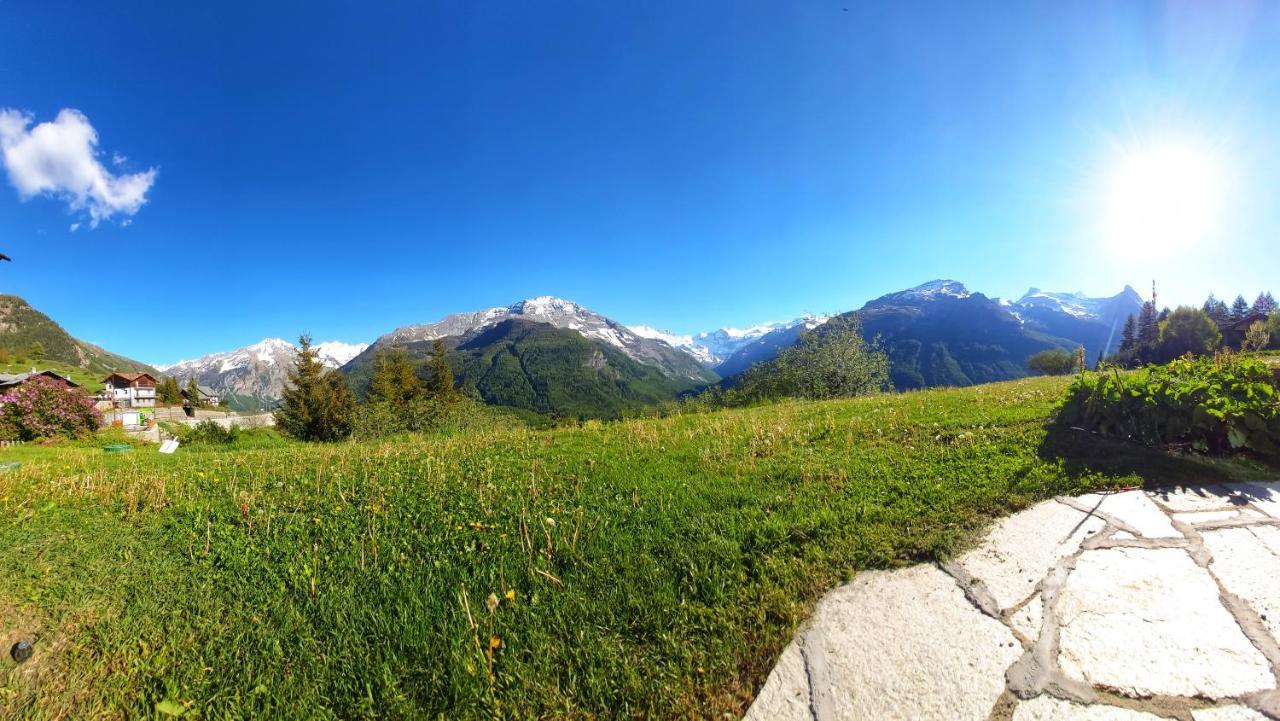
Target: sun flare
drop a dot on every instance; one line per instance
(1164, 197)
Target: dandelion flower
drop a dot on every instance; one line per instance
(491, 602)
(511, 595)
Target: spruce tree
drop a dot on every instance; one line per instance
(1129, 337)
(1217, 309)
(441, 385)
(193, 393)
(315, 405)
(1148, 325)
(169, 392)
(394, 380)
(1239, 308)
(1264, 305)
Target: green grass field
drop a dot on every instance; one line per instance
(637, 569)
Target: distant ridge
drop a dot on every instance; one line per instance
(254, 377)
(22, 325)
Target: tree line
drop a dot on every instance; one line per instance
(319, 405)
(1157, 336)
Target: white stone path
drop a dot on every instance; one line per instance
(1132, 606)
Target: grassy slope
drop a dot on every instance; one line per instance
(542, 369)
(21, 325)
(341, 581)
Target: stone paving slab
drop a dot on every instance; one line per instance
(1133, 508)
(1227, 713)
(1149, 621)
(1021, 549)
(1249, 569)
(1047, 708)
(1181, 499)
(1156, 604)
(925, 652)
(1263, 496)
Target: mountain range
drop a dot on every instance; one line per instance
(556, 357)
(254, 377)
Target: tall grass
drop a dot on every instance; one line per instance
(641, 568)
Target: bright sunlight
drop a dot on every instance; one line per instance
(1164, 197)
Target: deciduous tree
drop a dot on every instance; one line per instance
(1188, 330)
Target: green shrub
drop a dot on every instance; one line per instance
(209, 432)
(1052, 362)
(1216, 405)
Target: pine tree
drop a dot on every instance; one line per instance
(1217, 309)
(193, 393)
(441, 385)
(394, 380)
(315, 406)
(1148, 325)
(169, 393)
(1129, 337)
(36, 351)
(1264, 305)
(1239, 308)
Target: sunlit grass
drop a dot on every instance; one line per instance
(642, 568)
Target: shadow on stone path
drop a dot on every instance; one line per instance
(1132, 606)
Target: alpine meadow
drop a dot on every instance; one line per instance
(577, 361)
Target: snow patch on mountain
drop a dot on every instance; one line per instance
(561, 313)
(1075, 304)
(934, 289)
(335, 353)
(266, 352)
(713, 347)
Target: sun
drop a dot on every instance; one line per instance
(1162, 198)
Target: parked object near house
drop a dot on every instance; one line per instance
(13, 380)
(130, 390)
(207, 396)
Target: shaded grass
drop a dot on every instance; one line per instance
(655, 567)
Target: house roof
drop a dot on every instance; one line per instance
(1242, 324)
(12, 379)
(130, 377)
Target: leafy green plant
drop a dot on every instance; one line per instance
(1216, 405)
(212, 432)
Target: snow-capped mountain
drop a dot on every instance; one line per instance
(934, 289)
(713, 348)
(255, 375)
(1079, 305)
(560, 313)
(335, 353)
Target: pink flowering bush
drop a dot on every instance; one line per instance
(42, 408)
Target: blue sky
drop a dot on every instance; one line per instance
(346, 168)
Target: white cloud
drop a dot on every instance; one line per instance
(59, 159)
